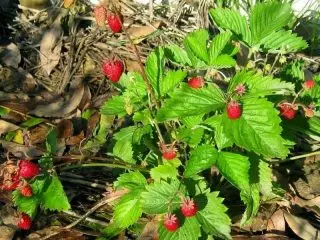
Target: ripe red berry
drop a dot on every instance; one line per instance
(234, 110)
(309, 84)
(169, 154)
(28, 169)
(288, 110)
(114, 22)
(171, 222)
(26, 191)
(25, 222)
(188, 208)
(196, 82)
(100, 14)
(113, 69)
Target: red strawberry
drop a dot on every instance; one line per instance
(240, 89)
(113, 69)
(100, 15)
(308, 112)
(28, 169)
(114, 22)
(234, 110)
(24, 222)
(309, 84)
(26, 191)
(171, 222)
(196, 82)
(288, 110)
(169, 154)
(188, 208)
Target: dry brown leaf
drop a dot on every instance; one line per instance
(7, 127)
(60, 108)
(21, 151)
(261, 237)
(69, 234)
(150, 231)
(65, 128)
(50, 48)
(139, 33)
(301, 227)
(312, 204)
(132, 66)
(277, 222)
(39, 134)
(10, 55)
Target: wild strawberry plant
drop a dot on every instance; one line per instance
(236, 124)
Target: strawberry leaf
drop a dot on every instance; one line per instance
(177, 54)
(171, 80)
(212, 216)
(258, 129)
(218, 44)
(187, 101)
(163, 172)
(223, 61)
(131, 181)
(158, 196)
(259, 85)
(53, 196)
(251, 198)
(203, 157)
(196, 43)
(189, 230)
(265, 179)
(123, 150)
(114, 106)
(128, 209)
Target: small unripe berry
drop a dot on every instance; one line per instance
(308, 112)
(171, 222)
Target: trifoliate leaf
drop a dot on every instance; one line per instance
(213, 217)
(218, 44)
(189, 230)
(197, 42)
(201, 158)
(232, 20)
(258, 129)
(259, 85)
(190, 136)
(163, 172)
(114, 106)
(171, 80)
(53, 196)
(158, 196)
(223, 61)
(123, 150)
(187, 101)
(131, 181)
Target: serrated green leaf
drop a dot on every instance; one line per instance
(251, 198)
(268, 17)
(190, 136)
(123, 150)
(128, 209)
(259, 85)
(125, 133)
(155, 68)
(197, 42)
(235, 168)
(223, 61)
(28, 205)
(171, 80)
(265, 178)
(189, 230)
(157, 196)
(187, 101)
(114, 106)
(218, 44)
(213, 217)
(134, 83)
(53, 196)
(110, 231)
(258, 129)
(232, 20)
(192, 121)
(131, 181)
(203, 157)
(283, 42)
(163, 172)
(222, 141)
(177, 54)
(51, 142)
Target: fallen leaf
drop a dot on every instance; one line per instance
(65, 128)
(39, 134)
(132, 66)
(21, 151)
(301, 227)
(7, 127)
(139, 33)
(19, 137)
(150, 231)
(65, 234)
(74, 140)
(276, 222)
(50, 48)
(7, 233)
(60, 108)
(312, 204)
(10, 55)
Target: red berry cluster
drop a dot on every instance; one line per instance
(26, 170)
(188, 209)
(103, 16)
